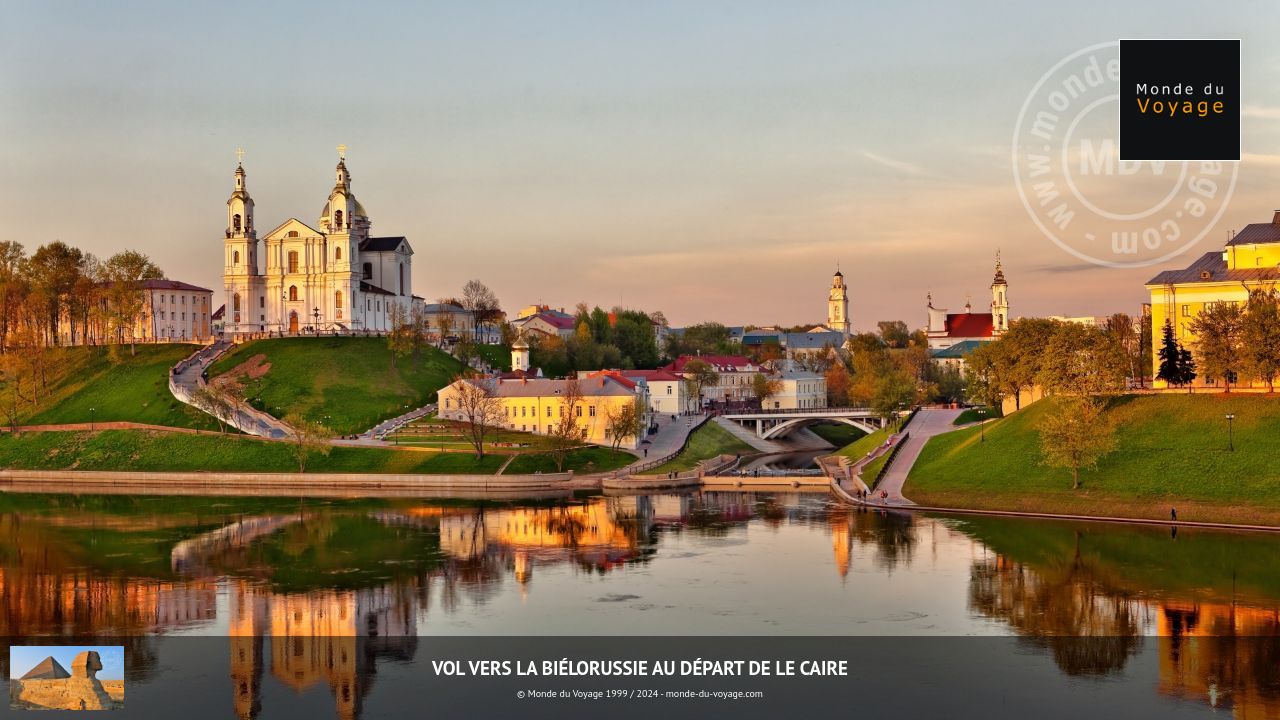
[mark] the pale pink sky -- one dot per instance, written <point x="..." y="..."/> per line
<point x="711" y="160"/>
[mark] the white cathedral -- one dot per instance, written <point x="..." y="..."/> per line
<point x="336" y="278"/>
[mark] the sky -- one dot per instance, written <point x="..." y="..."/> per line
<point x="24" y="657"/>
<point x="712" y="160"/>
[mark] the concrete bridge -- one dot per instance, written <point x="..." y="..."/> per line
<point x="773" y="424"/>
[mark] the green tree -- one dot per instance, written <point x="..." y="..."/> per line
<point x="698" y="376"/>
<point x="1075" y="435"/>
<point x="1170" y="356"/>
<point x="124" y="274"/>
<point x="893" y="333"/>
<point x="1260" y="336"/>
<point x="1081" y="360"/>
<point x="309" y="438"/>
<point x="1219" y="350"/>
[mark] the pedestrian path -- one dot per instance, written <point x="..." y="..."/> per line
<point x="926" y="423"/>
<point x="189" y="375"/>
<point x="669" y="439"/>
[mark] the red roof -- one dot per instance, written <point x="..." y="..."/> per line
<point x="658" y="375"/>
<point x="612" y="375"/>
<point x="719" y="362"/>
<point x="969" y="325"/>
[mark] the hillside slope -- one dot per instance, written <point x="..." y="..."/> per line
<point x="1171" y="451"/>
<point x="347" y="384"/>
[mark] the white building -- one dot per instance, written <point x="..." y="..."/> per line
<point x="800" y="389"/>
<point x="333" y="277"/>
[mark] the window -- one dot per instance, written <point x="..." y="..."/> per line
<point x="235" y="302"/>
<point x="235" y="258"/>
<point x="235" y="222"/>
<point x="337" y="253"/>
<point x="401" y="278"/>
<point x="262" y="301"/>
<point x="579" y="411"/>
<point x="337" y="219"/>
<point x="591" y="411"/>
<point x="293" y="261"/>
<point x="293" y="293"/>
<point x="337" y="299"/>
<point x="367" y="271"/>
<point x="548" y="411"/>
<point x="1186" y="311"/>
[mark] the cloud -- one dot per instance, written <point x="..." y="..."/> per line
<point x="1259" y="111"/>
<point x="900" y="165"/>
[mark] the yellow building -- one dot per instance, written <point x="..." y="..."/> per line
<point x="1248" y="261"/>
<point x="537" y="404"/>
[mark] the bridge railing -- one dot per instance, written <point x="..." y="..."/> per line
<point x="802" y="411"/>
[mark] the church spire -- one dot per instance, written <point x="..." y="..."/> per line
<point x="999" y="301"/>
<point x="240" y="205"/>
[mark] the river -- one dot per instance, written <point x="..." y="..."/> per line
<point x="701" y="563"/>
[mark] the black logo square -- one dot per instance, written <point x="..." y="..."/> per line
<point x="1180" y="100"/>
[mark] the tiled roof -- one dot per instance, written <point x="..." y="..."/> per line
<point x="969" y="325"/>
<point x="382" y="244"/>
<point x="1210" y="267"/>
<point x="813" y="340"/>
<point x="602" y="386"/>
<point x="658" y="375"/>
<point x="720" y="362"/>
<point x="958" y="350"/>
<point x="172" y="285"/>
<point x="1258" y="233"/>
<point x="371" y="288"/>
<point x="217" y="314"/>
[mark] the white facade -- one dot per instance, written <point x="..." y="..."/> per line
<point x="838" y="306"/>
<point x="800" y="389"/>
<point x="333" y="277"/>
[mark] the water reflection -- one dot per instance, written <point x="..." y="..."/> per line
<point x="318" y="594"/>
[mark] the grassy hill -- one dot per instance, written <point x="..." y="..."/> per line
<point x="1171" y="451"/>
<point x="148" y="451"/>
<point x="132" y="388"/>
<point x="706" y="442"/>
<point x="347" y="384"/>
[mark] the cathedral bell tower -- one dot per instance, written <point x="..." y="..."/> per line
<point x="241" y="242"/>
<point x="838" y="305"/>
<point x="999" y="301"/>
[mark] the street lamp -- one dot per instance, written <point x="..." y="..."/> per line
<point x="1231" y="445"/>
<point x="91" y="419"/>
<point x="982" y="426"/>
<point x="315" y="326"/>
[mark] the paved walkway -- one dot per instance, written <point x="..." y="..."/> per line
<point x="188" y="375"/>
<point x="669" y="438"/>
<point x="926" y="423"/>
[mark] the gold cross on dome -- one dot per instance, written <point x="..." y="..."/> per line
<point x="239" y="154"/>
<point x="342" y="152"/>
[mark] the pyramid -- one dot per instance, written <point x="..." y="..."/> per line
<point x="48" y="669"/>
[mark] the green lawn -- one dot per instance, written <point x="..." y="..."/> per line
<point x="972" y="415"/>
<point x="89" y="386"/>
<point x="864" y="445"/>
<point x="498" y="356"/>
<point x="347" y="384"/>
<point x="873" y="467"/>
<point x="838" y="434"/>
<point x="707" y="441"/>
<point x="585" y="460"/>
<point x="1171" y="451"/>
<point x="159" y="451"/>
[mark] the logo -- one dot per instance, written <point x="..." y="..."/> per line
<point x="1083" y="196"/>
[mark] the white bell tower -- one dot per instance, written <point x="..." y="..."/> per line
<point x="838" y="305"/>
<point x="999" y="301"/>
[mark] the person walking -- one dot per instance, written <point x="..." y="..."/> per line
<point x="1173" y="514"/>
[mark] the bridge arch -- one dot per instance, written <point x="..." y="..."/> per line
<point x="785" y="428"/>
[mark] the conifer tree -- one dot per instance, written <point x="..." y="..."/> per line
<point x="1170" y="356"/>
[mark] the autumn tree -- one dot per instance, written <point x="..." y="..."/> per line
<point x="1219" y="347"/>
<point x="479" y="408"/>
<point x="837" y="377"/>
<point x="764" y="387"/>
<point x="481" y="302"/>
<point x="308" y="438"/>
<point x="624" y="421"/>
<point x="565" y="433"/>
<point x="1260" y="336"/>
<point x="124" y="274"/>
<point x="1081" y="360"/>
<point x="1076" y="435"/>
